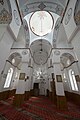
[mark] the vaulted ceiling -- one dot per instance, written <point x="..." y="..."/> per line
<point x="28" y="6"/>
<point x="40" y="50"/>
<point x="41" y="46"/>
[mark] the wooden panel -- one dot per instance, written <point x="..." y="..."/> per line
<point x="27" y="95"/>
<point x="0" y="95"/>
<point x="50" y="95"/>
<point x="61" y="102"/>
<point x="75" y="98"/>
<point x="4" y="95"/>
<point x="18" y="100"/>
<point x="36" y="92"/>
<point x="31" y="92"/>
<point x="47" y="93"/>
<point x="12" y="92"/>
<point x="53" y="91"/>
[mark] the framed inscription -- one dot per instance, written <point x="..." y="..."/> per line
<point x="22" y="76"/>
<point x="59" y="78"/>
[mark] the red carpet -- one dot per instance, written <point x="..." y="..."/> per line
<point x="43" y="107"/>
<point x="11" y="113"/>
<point x="38" y="108"/>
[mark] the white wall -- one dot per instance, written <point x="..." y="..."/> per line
<point x="57" y="68"/>
<point x="20" y="87"/>
<point x="5" y="45"/>
<point x="2" y="31"/>
<point x="13" y="27"/>
<point x="76" y="44"/>
<point x="59" y="85"/>
<point x="21" y="39"/>
<point x="71" y="26"/>
<point x="25" y="68"/>
<point x="62" y="40"/>
<point x="6" y="41"/>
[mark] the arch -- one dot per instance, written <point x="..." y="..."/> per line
<point x="15" y="59"/>
<point x="5" y="12"/>
<point x="66" y="60"/>
<point x="40" y="50"/>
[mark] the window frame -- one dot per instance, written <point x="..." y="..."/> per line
<point x="8" y="78"/>
<point x="72" y="79"/>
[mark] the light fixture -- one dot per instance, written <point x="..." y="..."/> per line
<point x="41" y="46"/>
<point x="40" y="73"/>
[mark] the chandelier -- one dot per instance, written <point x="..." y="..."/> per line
<point x="40" y="73"/>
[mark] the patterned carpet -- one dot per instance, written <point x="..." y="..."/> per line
<point x="37" y="108"/>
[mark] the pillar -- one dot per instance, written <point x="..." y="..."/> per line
<point x="30" y="84"/>
<point x="60" y="95"/>
<point x="27" y="92"/>
<point x="50" y="80"/>
<point x="53" y="89"/>
<point x="20" y="91"/>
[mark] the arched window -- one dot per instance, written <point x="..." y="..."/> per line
<point x="8" y="78"/>
<point x="73" y="80"/>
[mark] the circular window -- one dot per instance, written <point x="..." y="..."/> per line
<point x="41" y="23"/>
